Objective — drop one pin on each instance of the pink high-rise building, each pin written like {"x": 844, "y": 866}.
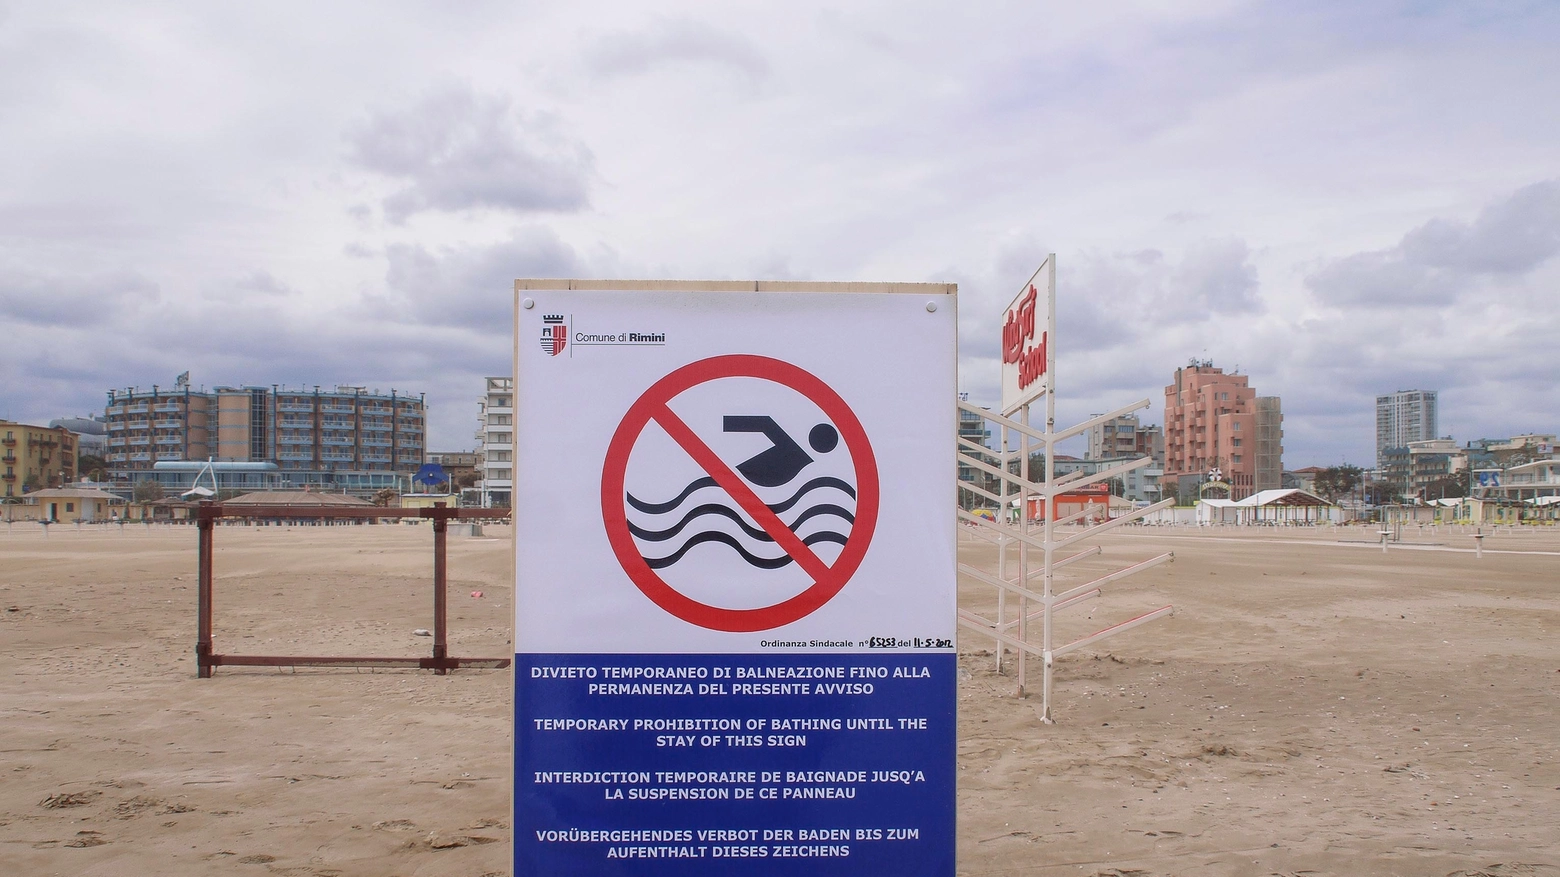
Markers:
{"x": 1216, "y": 421}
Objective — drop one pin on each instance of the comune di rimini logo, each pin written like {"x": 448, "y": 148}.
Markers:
{"x": 555, "y": 334}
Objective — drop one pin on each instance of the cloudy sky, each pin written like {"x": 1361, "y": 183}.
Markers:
{"x": 1338, "y": 199}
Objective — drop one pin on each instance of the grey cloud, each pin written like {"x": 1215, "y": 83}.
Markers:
{"x": 439, "y": 323}
{"x": 1219, "y": 277}
{"x": 1124, "y": 320}
{"x": 263, "y": 284}
{"x": 457, "y": 150}
{"x": 1436, "y": 263}
{"x": 1511, "y": 236}
{"x": 984, "y": 295}
{"x": 1486, "y": 359}
{"x": 473, "y": 286}
{"x": 1116, "y": 300}
{"x": 38, "y": 300}
{"x": 671, "y": 42}
{"x": 68, "y": 367}
{"x": 1383, "y": 278}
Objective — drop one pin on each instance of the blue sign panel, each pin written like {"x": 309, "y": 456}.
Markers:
{"x": 814, "y": 764}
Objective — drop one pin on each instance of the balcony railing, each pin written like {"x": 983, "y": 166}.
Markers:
{"x": 335, "y": 440}
{"x": 295, "y": 407}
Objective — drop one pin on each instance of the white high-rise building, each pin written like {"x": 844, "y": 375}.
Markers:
{"x": 1404, "y": 417}
{"x": 496, "y": 433}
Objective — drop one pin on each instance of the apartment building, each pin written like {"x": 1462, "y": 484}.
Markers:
{"x": 1125, "y": 437}
{"x": 347, "y": 438}
{"x": 1416, "y": 466}
{"x": 973, "y": 429}
{"x": 1527, "y": 482}
{"x": 462, "y": 467}
{"x": 1138, "y": 485}
{"x": 35, "y": 458}
{"x": 496, "y": 432}
{"x": 1404, "y": 417}
{"x": 1214, "y": 421}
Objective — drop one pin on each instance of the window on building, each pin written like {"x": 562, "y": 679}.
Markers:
{"x": 70, "y": 507}
{"x": 500, "y": 456}
{"x": 1236, "y": 427}
{"x": 1236, "y": 458}
{"x": 1235, "y": 442}
{"x": 499, "y": 474}
{"x": 499, "y": 438}
{"x": 501, "y": 419}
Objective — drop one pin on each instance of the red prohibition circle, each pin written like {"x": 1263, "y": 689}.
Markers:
{"x": 827, "y": 582}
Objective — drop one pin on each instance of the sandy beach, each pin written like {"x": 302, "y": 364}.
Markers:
{"x": 1315, "y": 706}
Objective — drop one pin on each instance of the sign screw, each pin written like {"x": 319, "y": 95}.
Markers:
{"x": 931, "y": 307}
{"x": 527, "y": 303}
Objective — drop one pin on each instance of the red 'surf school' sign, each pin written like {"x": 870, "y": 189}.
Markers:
{"x": 1018, "y": 328}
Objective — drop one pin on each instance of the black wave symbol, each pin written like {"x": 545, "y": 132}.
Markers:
{"x": 656, "y": 508}
{"x": 728, "y": 539}
{"x": 727, "y": 512}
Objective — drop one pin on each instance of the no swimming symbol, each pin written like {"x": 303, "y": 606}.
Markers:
{"x": 720, "y": 510}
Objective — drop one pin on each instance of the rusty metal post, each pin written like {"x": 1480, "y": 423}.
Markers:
{"x": 440, "y": 532}
{"x": 206, "y": 521}
{"x": 440, "y": 661}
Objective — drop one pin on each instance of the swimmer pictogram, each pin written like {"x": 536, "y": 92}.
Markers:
{"x": 779, "y": 508}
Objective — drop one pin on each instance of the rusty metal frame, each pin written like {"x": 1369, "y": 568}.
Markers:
{"x": 208, "y": 513}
